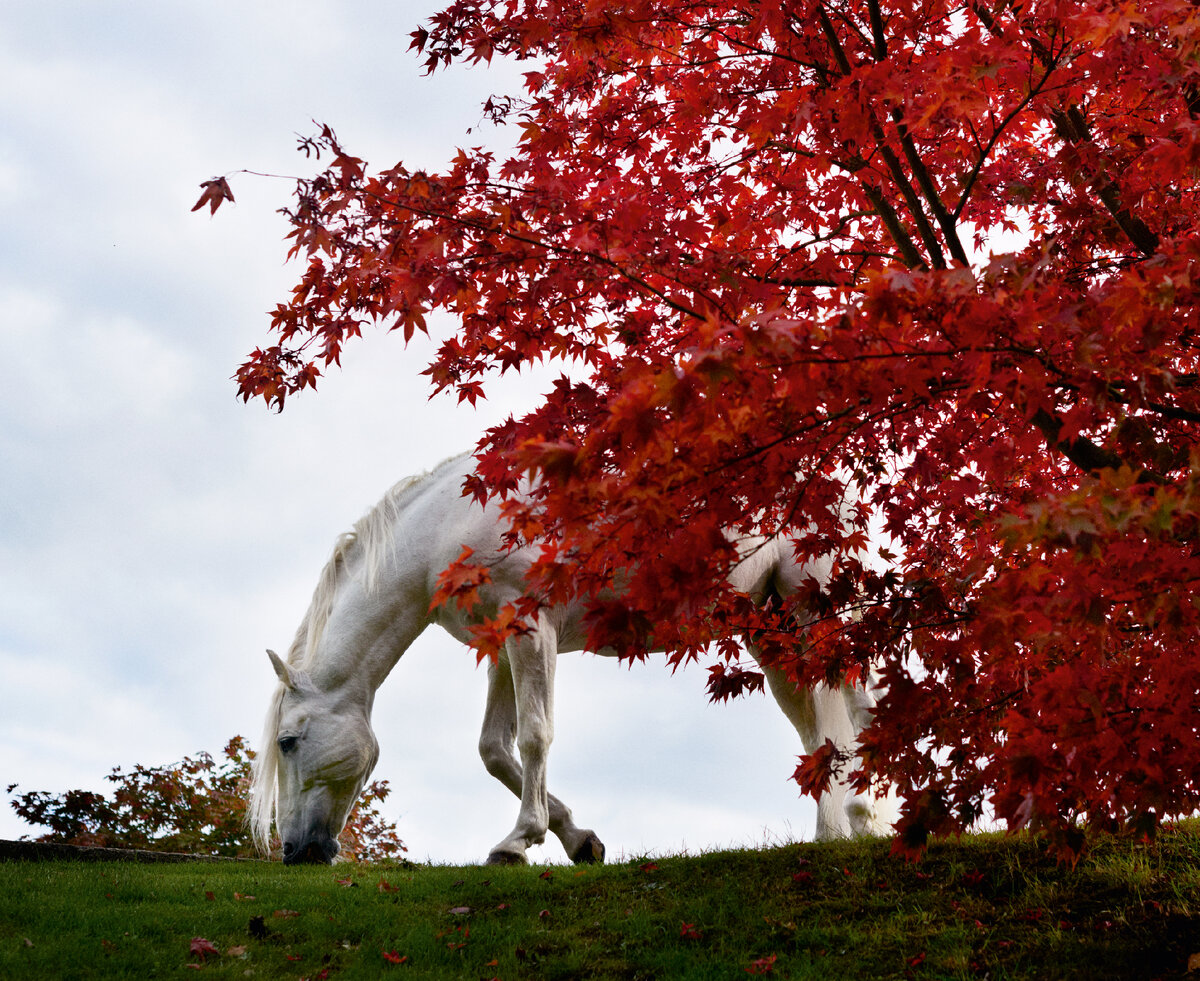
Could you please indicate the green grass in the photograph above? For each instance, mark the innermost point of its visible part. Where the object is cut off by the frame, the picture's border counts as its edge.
(986, 906)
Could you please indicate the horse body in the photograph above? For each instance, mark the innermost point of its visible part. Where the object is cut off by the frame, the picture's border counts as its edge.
(373, 601)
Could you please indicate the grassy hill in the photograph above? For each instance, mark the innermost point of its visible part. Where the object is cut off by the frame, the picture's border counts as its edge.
(983, 907)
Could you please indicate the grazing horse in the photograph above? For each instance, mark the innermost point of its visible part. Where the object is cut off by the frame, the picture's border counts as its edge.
(371, 602)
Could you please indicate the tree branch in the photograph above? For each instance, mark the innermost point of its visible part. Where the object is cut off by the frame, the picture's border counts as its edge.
(1071, 126)
(1082, 452)
(912, 258)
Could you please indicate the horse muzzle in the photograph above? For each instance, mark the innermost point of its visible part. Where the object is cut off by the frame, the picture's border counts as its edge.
(315, 850)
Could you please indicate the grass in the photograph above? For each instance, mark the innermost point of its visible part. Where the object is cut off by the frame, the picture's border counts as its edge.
(983, 907)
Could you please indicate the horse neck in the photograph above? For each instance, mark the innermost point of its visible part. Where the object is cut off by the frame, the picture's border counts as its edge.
(368, 622)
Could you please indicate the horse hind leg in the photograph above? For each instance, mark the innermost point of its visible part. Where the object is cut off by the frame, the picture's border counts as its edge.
(869, 814)
(815, 716)
(496, 743)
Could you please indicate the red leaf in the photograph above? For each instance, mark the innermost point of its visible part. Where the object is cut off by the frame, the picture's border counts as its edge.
(203, 948)
(215, 193)
(764, 965)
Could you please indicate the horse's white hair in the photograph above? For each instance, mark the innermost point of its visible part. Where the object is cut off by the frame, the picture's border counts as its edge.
(370, 538)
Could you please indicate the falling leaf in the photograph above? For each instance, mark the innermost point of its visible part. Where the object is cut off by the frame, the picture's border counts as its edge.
(215, 192)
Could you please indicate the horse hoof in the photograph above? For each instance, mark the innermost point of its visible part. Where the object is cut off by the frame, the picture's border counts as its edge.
(590, 851)
(498, 857)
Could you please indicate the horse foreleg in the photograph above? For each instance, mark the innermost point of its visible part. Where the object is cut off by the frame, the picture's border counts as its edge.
(496, 743)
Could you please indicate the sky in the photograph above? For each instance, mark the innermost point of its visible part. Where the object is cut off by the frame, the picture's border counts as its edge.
(157, 535)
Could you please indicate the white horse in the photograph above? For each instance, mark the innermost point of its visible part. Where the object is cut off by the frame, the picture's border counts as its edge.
(373, 600)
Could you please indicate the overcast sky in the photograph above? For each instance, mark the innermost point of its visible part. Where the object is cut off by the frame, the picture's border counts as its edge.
(156, 535)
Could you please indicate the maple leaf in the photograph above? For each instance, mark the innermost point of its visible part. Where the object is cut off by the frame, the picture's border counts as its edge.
(202, 948)
(817, 768)
(763, 965)
(215, 193)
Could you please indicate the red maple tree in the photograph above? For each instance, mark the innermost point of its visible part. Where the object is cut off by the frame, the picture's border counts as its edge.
(946, 250)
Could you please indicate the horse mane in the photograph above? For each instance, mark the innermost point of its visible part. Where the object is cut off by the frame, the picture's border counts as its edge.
(370, 538)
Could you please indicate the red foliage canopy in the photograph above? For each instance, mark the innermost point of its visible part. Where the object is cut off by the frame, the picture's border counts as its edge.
(949, 250)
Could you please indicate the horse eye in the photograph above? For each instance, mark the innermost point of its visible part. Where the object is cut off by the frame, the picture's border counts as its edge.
(287, 743)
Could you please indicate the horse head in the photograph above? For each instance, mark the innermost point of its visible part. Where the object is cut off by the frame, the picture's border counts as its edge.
(324, 750)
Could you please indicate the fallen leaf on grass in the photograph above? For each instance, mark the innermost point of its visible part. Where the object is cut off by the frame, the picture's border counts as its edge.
(460, 910)
(240, 896)
(649, 866)
(203, 948)
(393, 958)
(238, 951)
(285, 914)
(387, 887)
(209, 896)
(347, 882)
(688, 931)
(1193, 962)
(764, 965)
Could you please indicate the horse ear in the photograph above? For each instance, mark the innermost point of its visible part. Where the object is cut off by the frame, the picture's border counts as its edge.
(281, 669)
